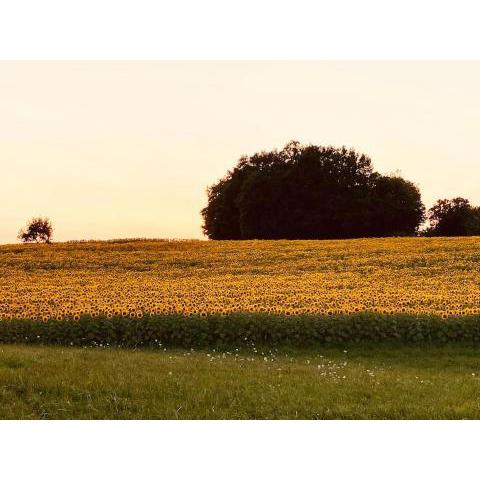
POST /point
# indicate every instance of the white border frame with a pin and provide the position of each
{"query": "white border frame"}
(248, 29)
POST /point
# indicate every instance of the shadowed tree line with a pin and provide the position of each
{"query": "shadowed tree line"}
(314, 192)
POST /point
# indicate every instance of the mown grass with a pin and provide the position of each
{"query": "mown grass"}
(361, 382)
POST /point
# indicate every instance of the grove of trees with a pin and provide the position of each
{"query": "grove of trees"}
(315, 192)
(454, 217)
(310, 192)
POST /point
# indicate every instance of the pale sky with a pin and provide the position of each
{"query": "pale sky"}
(127, 149)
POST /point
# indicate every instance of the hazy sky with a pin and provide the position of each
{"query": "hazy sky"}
(127, 149)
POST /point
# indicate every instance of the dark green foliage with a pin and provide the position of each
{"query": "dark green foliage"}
(395, 207)
(221, 214)
(310, 192)
(242, 330)
(454, 217)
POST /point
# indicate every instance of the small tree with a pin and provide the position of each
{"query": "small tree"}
(37, 230)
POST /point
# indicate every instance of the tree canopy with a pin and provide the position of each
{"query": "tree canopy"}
(455, 217)
(38, 230)
(310, 192)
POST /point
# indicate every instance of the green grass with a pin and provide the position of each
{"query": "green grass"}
(371, 382)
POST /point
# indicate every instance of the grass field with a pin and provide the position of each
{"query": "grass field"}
(330, 383)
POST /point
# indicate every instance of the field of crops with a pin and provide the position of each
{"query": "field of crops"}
(141, 278)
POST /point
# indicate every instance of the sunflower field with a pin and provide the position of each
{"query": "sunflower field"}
(141, 279)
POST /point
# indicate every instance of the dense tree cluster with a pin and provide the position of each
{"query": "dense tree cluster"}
(310, 192)
(454, 217)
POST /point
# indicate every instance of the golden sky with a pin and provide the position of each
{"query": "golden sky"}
(126, 149)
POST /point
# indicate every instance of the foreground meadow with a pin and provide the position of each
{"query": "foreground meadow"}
(327, 383)
(427, 276)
